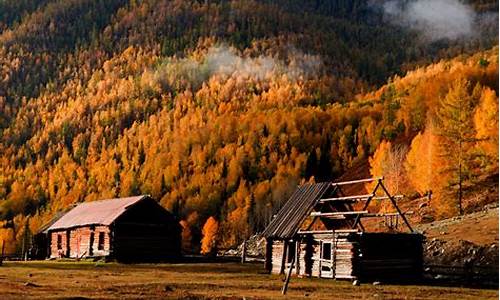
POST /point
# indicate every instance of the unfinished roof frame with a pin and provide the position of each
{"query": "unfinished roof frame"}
(348, 200)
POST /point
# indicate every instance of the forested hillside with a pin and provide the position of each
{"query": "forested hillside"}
(218, 109)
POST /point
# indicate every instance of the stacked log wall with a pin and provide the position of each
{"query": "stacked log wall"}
(54, 251)
(79, 242)
(80, 239)
(345, 255)
(277, 256)
(304, 258)
(391, 257)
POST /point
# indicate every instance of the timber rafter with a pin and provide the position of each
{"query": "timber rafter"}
(337, 200)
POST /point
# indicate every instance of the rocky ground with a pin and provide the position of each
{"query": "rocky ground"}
(255, 248)
(468, 239)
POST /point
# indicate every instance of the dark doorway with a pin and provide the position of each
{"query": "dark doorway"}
(91, 244)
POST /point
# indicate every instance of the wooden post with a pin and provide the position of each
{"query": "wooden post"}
(287, 280)
(320, 257)
(268, 264)
(283, 257)
(296, 255)
(244, 252)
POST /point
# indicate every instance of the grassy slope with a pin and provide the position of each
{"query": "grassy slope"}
(194, 281)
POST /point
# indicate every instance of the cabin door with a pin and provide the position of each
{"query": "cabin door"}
(326, 262)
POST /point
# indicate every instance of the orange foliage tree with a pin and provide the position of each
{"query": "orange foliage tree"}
(422, 162)
(423, 165)
(486, 125)
(210, 236)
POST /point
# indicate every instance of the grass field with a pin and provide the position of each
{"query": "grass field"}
(85, 280)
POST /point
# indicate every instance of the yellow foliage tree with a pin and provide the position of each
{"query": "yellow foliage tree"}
(486, 124)
(210, 236)
(422, 162)
(388, 161)
(7, 240)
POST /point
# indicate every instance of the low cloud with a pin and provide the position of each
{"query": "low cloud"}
(434, 19)
(227, 62)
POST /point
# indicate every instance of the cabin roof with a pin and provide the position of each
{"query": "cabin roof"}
(102, 212)
(289, 218)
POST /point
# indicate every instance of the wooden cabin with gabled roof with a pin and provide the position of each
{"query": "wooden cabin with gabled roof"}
(126, 229)
(319, 232)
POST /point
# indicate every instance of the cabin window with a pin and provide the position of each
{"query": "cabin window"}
(291, 252)
(59, 242)
(100, 242)
(327, 251)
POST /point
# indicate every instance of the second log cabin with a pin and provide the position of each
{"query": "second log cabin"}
(319, 233)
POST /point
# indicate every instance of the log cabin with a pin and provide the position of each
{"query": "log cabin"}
(319, 233)
(125, 229)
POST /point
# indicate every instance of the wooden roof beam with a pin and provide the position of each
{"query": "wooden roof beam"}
(338, 213)
(386, 214)
(352, 198)
(359, 198)
(387, 197)
(328, 231)
(357, 181)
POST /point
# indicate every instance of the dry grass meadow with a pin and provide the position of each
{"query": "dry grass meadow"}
(86, 280)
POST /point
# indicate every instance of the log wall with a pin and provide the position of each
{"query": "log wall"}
(146, 233)
(276, 257)
(80, 242)
(364, 256)
(391, 257)
(346, 249)
(55, 252)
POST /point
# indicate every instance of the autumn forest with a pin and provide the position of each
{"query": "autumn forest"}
(219, 109)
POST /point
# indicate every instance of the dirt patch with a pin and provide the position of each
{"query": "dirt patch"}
(480, 228)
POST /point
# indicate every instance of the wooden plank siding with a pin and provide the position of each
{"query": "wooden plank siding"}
(277, 251)
(354, 255)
